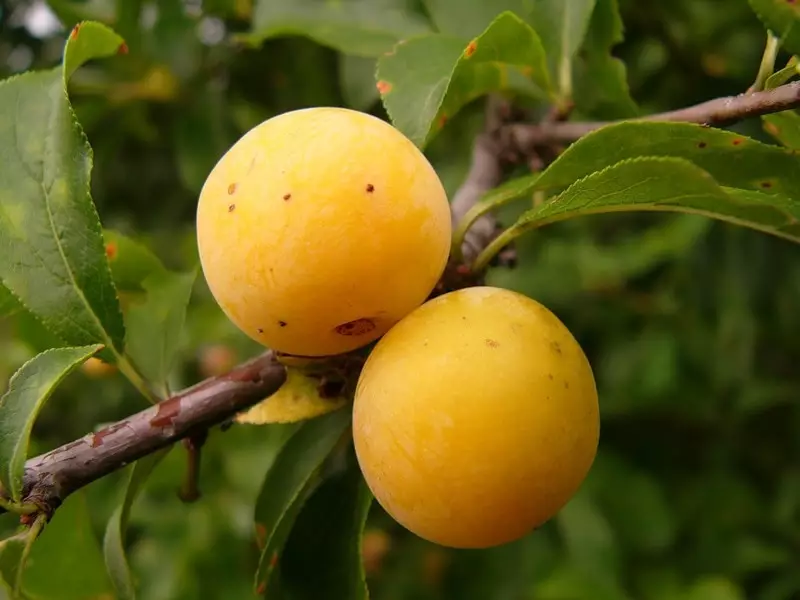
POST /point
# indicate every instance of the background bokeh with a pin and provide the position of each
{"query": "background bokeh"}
(692, 326)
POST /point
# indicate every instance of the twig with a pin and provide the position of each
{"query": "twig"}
(720, 111)
(51, 477)
(190, 489)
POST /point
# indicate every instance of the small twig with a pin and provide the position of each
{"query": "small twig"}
(720, 111)
(190, 489)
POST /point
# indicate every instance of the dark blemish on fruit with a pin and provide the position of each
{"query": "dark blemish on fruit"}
(737, 141)
(463, 318)
(287, 196)
(566, 385)
(370, 188)
(111, 251)
(73, 35)
(231, 189)
(556, 347)
(550, 376)
(491, 343)
(470, 49)
(357, 327)
(766, 184)
(259, 330)
(282, 323)
(702, 145)
(123, 48)
(384, 87)
(231, 207)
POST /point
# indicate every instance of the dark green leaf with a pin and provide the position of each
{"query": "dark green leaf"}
(468, 19)
(114, 540)
(782, 17)
(66, 562)
(326, 541)
(600, 79)
(155, 325)
(427, 80)
(360, 27)
(732, 159)
(8, 302)
(28, 390)
(288, 483)
(714, 588)
(665, 184)
(784, 127)
(562, 26)
(357, 81)
(131, 262)
(51, 245)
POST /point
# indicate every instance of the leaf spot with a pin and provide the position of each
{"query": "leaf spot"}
(384, 87)
(73, 35)
(470, 49)
(766, 184)
(262, 587)
(111, 251)
(273, 560)
(261, 535)
(442, 121)
(737, 141)
(123, 48)
(702, 145)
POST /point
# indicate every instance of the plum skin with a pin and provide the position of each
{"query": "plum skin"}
(476, 418)
(320, 228)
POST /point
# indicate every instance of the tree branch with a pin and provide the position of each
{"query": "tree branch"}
(720, 111)
(51, 477)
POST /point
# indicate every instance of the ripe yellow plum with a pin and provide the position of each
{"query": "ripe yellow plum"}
(476, 418)
(320, 229)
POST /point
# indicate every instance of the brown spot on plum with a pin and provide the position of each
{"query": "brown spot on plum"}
(111, 251)
(167, 411)
(73, 35)
(282, 323)
(556, 347)
(260, 330)
(261, 535)
(737, 141)
(356, 327)
(231, 189)
(491, 343)
(702, 145)
(470, 49)
(566, 385)
(287, 196)
(231, 207)
(123, 48)
(550, 376)
(370, 188)
(384, 87)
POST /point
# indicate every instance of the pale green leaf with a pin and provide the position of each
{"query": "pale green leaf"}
(156, 324)
(288, 484)
(28, 390)
(784, 75)
(8, 302)
(131, 262)
(11, 554)
(562, 25)
(427, 80)
(589, 540)
(359, 27)
(357, 81)
(51, 245)
(114, 539)
(784, 127)
(782, 17)
(468, 19)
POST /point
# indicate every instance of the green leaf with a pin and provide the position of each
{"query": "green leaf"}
(426, 80)
(357, 81)
(114, 540)
(562, 25)
(732, 159)
(359, 27)
(51, 244)
(326, 541)
(778, 78)
(155, 325)
(782, 17)
(28, 390)
(784, 127)
(714, 588)
(468, 19)
(11, 555)
(288, 483)
(131, 262)
(666, 184)
(8, 302)
(600, 80)
(66, 562)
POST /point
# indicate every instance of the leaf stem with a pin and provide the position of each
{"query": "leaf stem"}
(494, 247)
(767, 65)
(31, 536)
(18, 508)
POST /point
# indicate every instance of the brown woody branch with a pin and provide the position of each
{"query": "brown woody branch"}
(718, 112)
(51, 477)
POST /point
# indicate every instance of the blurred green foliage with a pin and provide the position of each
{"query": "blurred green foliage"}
(691, 325)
